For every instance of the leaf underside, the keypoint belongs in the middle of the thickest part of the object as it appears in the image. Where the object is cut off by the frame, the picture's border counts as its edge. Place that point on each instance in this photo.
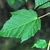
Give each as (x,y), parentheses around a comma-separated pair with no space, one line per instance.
(23,24)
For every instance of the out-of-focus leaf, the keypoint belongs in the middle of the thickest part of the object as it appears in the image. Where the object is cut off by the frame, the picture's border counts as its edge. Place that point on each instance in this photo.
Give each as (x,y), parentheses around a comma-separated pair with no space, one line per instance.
(20,0)
(17,4)
(12,1)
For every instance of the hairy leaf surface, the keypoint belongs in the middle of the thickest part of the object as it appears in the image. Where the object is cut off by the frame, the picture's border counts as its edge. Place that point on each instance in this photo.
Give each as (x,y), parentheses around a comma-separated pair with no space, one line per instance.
(23,24)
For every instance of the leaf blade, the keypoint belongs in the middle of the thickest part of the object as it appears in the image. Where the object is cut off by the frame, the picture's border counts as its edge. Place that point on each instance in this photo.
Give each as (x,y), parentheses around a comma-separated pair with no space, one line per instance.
(39,2)
(21,25)
(40,44)
(45,5)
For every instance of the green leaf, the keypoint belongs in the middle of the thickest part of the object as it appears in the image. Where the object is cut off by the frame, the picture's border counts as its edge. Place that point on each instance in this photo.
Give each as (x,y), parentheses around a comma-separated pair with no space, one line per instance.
(23,24)
(45,5)
(12,1)
(17,4)
(40,44)
(40,2)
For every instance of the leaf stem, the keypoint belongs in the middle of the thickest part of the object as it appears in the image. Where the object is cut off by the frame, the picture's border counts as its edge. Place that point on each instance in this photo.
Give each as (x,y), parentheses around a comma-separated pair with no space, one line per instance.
(44,15)
(48,46)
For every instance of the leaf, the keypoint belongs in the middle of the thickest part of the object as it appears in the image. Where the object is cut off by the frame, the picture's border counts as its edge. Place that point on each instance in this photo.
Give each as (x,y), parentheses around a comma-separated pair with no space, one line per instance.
(45,5)
(40,44)
(40,2)
(17,4)
(12,1)
(23,24)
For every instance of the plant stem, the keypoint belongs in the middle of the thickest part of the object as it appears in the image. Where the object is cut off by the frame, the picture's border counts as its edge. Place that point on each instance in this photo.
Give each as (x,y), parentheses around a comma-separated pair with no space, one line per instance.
(48,46)
(44,15)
